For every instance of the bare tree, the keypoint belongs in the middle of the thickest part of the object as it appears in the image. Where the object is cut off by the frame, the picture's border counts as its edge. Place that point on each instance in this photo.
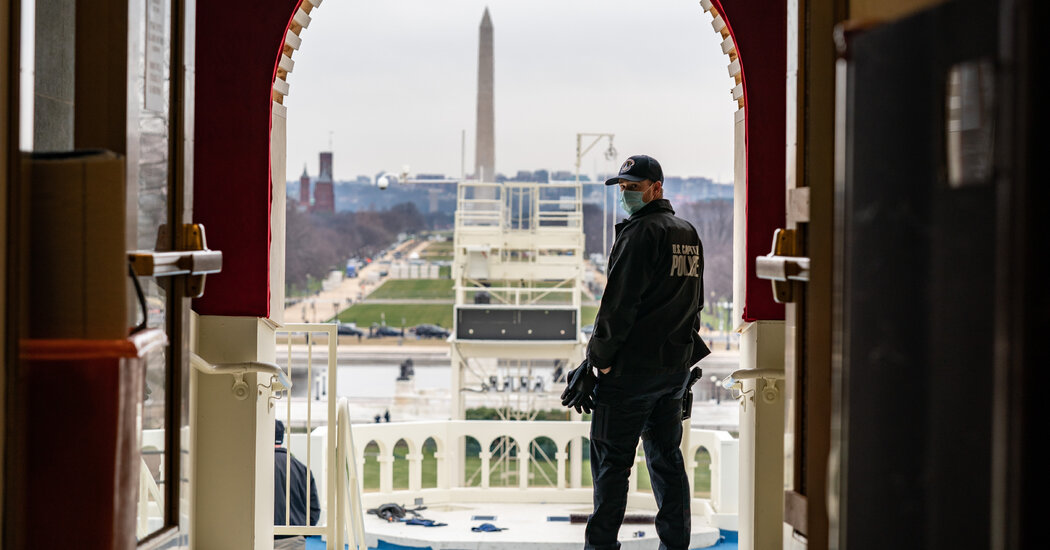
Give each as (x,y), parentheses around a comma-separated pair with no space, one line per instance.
(713,220)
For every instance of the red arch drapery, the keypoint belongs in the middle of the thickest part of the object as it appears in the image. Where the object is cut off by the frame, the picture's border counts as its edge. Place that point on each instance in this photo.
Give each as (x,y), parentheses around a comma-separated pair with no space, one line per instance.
(759,31)
(239,45)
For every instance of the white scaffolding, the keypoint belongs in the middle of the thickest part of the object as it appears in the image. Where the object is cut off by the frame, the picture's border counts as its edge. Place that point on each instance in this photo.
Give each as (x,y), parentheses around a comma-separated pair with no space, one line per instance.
(518,277)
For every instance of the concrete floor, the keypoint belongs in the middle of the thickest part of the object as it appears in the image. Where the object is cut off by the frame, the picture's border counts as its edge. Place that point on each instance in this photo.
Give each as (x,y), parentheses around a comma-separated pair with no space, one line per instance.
(527,528)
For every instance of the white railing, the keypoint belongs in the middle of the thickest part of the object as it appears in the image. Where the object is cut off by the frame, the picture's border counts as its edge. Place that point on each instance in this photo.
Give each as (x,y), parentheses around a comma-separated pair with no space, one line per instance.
(495,440)
(150,510)
(329,525)
(351,511)
(340,468)
(518,296)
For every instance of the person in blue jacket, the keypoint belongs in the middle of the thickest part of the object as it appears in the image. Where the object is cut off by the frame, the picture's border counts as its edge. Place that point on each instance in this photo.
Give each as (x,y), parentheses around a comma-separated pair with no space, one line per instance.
(297,500)
(646,338)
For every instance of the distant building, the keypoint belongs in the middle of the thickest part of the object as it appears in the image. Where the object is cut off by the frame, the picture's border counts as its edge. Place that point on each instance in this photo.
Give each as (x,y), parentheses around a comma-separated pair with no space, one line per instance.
(304,190)
(324,190)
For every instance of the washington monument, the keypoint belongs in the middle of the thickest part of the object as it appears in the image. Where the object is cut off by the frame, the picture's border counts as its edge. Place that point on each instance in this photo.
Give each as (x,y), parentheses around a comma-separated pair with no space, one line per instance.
(485,138)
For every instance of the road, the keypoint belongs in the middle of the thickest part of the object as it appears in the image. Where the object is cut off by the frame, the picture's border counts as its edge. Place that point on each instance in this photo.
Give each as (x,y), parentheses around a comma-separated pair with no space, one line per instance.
(367,362)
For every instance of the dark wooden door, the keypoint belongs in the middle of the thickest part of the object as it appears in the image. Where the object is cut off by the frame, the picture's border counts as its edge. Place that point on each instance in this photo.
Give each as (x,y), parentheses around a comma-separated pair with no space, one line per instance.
(916,200)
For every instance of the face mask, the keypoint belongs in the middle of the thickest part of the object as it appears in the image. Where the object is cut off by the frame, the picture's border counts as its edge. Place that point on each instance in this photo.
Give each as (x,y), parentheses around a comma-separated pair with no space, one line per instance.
(631,201)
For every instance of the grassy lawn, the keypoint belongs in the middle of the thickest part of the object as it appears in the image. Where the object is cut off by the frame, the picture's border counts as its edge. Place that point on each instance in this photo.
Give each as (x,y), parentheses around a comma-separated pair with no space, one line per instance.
(507,476)
(438,314)
(366,314)
(437,251)
(438,248)
(414,289)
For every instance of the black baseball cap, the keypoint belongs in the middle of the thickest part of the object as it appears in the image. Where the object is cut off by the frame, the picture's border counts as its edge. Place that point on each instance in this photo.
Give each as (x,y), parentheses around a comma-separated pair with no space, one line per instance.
(638,168)
(278,432)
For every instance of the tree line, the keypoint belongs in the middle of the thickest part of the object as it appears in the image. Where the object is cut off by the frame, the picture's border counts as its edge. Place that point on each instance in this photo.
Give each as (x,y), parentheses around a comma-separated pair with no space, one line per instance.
(319,243)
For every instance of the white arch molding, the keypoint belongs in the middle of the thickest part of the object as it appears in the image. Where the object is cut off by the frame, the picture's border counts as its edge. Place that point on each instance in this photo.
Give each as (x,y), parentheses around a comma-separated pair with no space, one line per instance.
(300,21)
(279,153)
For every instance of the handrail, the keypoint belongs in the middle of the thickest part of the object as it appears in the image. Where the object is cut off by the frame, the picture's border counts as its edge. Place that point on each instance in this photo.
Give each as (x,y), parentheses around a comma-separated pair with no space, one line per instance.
(242,367)
(751,374)
(147,488)
(350,516)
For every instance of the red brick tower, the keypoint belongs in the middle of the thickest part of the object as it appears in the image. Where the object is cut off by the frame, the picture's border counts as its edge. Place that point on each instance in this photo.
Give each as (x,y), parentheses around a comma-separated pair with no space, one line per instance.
(324,190)
(304,190)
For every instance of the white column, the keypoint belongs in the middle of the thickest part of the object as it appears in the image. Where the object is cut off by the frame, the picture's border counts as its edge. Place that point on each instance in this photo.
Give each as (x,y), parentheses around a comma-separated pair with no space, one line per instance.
(561,456)
(725,476)
(415,471)
(442,470)
(523,467)
(762,439)
(386,473)
(485,457)
(233,497)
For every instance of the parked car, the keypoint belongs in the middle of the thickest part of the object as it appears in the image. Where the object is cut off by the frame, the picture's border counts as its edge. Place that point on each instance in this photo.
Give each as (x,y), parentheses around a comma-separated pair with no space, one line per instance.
(349,330)
(588,329)
(431,331)
(378,331)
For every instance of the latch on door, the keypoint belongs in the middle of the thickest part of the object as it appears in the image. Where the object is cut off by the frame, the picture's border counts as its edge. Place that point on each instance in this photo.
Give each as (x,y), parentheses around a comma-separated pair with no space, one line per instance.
(194,262)
(782,266)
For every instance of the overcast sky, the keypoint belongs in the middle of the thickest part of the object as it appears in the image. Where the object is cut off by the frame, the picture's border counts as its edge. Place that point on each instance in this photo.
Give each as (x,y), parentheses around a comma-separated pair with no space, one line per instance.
(394,82)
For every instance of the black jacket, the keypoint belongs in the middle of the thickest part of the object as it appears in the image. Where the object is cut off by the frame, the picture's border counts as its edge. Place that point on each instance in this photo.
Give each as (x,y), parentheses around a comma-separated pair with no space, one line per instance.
(298,496)
(650,313)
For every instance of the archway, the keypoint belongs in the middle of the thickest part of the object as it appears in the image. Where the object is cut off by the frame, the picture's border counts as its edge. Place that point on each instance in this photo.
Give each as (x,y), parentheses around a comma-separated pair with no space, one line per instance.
(429,466)
(702,473)
(400,464)
(370,473)
(234,158)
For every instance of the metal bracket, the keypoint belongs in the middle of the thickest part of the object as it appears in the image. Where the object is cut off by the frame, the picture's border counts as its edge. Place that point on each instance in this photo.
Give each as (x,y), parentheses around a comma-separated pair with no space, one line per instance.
(278,379)
(782,266)
(194,262)
(770,392)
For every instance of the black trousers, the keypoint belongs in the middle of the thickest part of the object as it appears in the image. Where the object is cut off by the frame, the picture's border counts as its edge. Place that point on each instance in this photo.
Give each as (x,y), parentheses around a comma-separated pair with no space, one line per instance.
(626,408)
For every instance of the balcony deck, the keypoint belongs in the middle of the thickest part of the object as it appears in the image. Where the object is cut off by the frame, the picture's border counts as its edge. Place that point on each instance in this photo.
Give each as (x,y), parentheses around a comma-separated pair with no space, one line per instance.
(527,528)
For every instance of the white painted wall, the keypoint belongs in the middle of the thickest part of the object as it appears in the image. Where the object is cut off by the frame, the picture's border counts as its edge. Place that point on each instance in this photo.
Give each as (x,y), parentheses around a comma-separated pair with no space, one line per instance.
(232,439)
(762,439)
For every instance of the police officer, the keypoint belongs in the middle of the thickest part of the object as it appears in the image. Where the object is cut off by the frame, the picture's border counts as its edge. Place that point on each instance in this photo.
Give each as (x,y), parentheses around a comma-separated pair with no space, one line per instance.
(645,340)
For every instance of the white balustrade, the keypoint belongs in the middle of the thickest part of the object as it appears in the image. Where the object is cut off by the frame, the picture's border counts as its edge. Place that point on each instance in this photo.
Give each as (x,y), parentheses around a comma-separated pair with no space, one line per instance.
(494,437)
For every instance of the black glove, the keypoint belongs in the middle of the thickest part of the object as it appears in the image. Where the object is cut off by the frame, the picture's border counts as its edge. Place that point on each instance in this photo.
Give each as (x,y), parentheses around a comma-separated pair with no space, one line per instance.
(579,389)
(687,401)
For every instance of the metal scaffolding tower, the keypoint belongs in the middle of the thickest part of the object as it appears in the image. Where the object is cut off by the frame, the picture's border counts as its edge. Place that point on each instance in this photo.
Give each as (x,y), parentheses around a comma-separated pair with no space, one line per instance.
(518,276)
